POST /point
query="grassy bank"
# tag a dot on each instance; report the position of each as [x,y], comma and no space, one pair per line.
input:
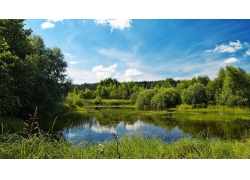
[44,146]
[182,112]
[211,113]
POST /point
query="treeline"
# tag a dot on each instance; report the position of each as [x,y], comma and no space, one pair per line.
[143,84]
[231,87]
[31,74]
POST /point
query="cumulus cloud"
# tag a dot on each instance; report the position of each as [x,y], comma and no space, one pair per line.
[46,25]
[115,23]
[231,47]
[230,60]
[104,72]
[236,45]
[73,62]
[247,53]
[81,76]
[131,74]
[224,48]
[49,24]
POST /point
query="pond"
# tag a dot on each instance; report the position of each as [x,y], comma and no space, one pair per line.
[97,125]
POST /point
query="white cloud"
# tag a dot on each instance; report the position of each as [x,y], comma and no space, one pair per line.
[131,74]
[208,51]
[115,23]
[81,76]
[104,72]
[73,62]
[231,47]
[178,78]
[236,44]
[49,24]
[247,53]
[46,25]
[101,129]
[230,60]
[133,127]
[224,48]
[68,55]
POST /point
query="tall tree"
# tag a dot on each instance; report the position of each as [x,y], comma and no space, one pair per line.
[31,74]
[236,87]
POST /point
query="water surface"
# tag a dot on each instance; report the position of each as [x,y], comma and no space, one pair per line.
[99,126]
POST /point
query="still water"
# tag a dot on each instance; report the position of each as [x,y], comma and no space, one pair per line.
[98,126]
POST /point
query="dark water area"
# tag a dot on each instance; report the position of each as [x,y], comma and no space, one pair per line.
[99,126]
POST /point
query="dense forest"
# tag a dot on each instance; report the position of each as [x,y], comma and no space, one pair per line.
[33,75]
[231,87]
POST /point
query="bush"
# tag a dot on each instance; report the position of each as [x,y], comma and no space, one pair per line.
[79,102]
[98,100]
[143,101]
[167,98]
[236,101]
[194,94]
[134,96]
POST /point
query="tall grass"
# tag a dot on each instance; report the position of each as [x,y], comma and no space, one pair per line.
[45,146]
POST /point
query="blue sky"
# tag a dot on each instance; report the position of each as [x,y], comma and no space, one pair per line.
[146,49]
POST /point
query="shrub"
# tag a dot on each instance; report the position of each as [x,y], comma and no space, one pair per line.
[167,98]
[79,102]
[236,101]
[98,100]
[134,96]
[143,101]
[194,94]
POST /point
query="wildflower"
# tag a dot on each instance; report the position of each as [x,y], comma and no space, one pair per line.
[101,147]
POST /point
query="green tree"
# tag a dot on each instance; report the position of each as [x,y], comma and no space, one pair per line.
[236,87]
[203,80]
[166,98]
[194,94]
[143,101]
[15,70]
[31,74]
[76,90]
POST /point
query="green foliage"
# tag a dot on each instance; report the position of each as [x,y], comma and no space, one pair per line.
[203,80]
[194,94]
[31,74]
[50,146]
[234,100]
[166,98]
[87,94]
[143,101]
[98,101]
[75,90]
[134,96]
[184,84]
[236,87]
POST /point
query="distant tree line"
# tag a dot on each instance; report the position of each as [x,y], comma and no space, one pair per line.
[231,87]
[31,74]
